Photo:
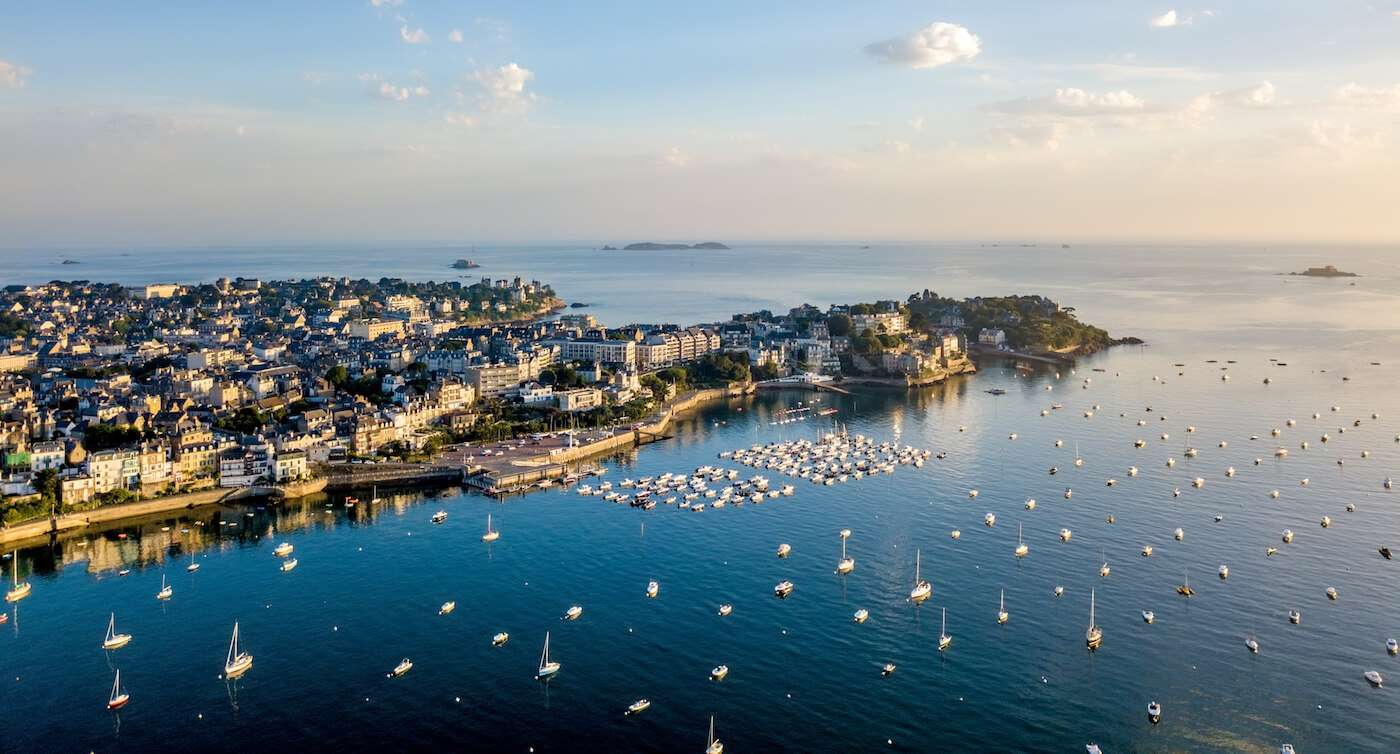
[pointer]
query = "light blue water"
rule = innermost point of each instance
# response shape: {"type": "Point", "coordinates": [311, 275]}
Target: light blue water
{"type": "Point", "coordinates": [803, 676]}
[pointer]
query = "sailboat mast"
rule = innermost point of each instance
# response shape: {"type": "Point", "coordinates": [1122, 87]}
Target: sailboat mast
{"type": "Point", "coordinates": [1091, 608]}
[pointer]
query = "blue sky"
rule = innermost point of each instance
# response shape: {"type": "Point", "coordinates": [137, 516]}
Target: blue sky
{"type": "Point", "coordinates": [177, 122]}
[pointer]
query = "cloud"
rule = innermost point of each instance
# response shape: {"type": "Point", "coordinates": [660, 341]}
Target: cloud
{"type": "Point", "coordinates": [315, 77]}
{"type": "Point", "coordinates": [1072, 102]}
{"type": "Point", "coordinates": [675, 157]}
{"type": "Point", "coordinates": [415, 37]}
{"type": "Point", "coordinates": [462, 120]}
{"type": "Point", "coordinates": [1128, 70]}
{"type": "Point", "coordinates": [1168, 20]}
{"type": "Point", "coordinates": [505, 86]}
{"type": "Point", "coordinates": [1047, 136]}
{"type": "Point", "coordinates": [393, 93]}
{"type": "Point", "coordinates": [936, 45]}
{"type": "Point", "coordinates": [892, 146]}
{"type": "Point", "coordinates": [13, 74]}
{"type": "Point", "coordinates": [917, 124]}
{"type": "Point", "coordinates": [1259, 96]}
{"type": "Point", "coordinates": [1369, 97]}
{"type": "Point", "coordinates": [386, 3]}
{"type": "Point", "coordinates": [455, 36]}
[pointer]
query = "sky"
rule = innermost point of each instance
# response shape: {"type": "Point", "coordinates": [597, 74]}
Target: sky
{"type": "Point", "coordinates": [169, 123]}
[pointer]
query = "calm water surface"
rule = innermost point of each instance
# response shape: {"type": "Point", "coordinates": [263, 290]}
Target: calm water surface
{"type": "Point", "coordinates": [803, 676]}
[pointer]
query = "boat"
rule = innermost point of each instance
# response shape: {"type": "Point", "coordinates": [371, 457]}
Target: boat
{"type": "Point", "coordinates": [861, 616]}
{"type": "Point", "coordinates": [944, 639]}
{"type": "Point", "coordinates": [193, 566]}
{"type": "Point", "coordinates": [238, 661]}
{"type": "Point", "coordinates": [725, 609]}
{"type": "Point", "coordinates": [1154, 712]}
{"type": "Point", "coordinates": [439, 517]}
{"type": "Point", "coordinates": [1179, 534]}
{"type": "Point", "coordinates": [782, 589]}
{"type": "Point", "coordinates": [491, 535]}
{"type": "Point", "coordinates": [922, 589]}
{"type": "Point", "coordinates": [402, 668]}
{"type": "Point", "coordinates": [374, 498]}
{"type": "Point", "coordinates": [1252, 645]}
{"type": "Point", "coordinates": [548, 667]}
{"type": "Point", "coordinates": [718, 672]}
{"type": "Point", "coordinates": [1185, 589]}
{"type": "Point", "coordinates": [653, 589]}
{"type": "Point", "coordinates": [1294, 617]}
{"type": "Point", "coordinates": [166, 590]}
{"type": "Point", "coordinates": [1092, 748]}
{"type": "Point", "coordinates": [573, 612]}
{"type": "Point", "coordinates": [447, 607]}
{"type": "Point", "coordinates": [1002, 615]}
{"type": "Point", "coordinates": [113, 639]}
{"type": "Point", "coordinates": [638, 706]}
{"type": "Point", "coordinates": [1270, 551]}
{"type": "Point", "coordinates": [1148, 616]}
{"type": "Point", "coordinates": [1385, 552]}
{"type": "Point", "coordinates": [784, 550]}
{"type": "Point", "coordinates": [1332, 593]}
{"type": "Point", "coordinates": [1374, 678]}
{"type": "Point", "coordinates": [1224, 572]}
{"type": "Point", "coordinates": [715, 746]}
{"type": "Point", "coordinates": [1022, 549]}
{"type": "Point", "coordinates": [19, 589]}
{"type": "Point", "coordinates": [499, 639]}
{"type": "Point", "coordinates": [1287, 536]}
{"type": "Point", "coordinates": [289, 564]}
{"type": "Point", "coordinates": [1059, 591]}
{"type": "Point", "coordinates": [845, 564]}
{"type": "Point", "coordinates": [889, 668]}
{"type": "Point", "coordinates": [1103, 569]}
{"type": "Point", "coordinates": [283, 550]}
{"type": "Point", "coordinates": [1147, 551]}
{"type": "Point", "coordinates": [1065, 535]}
{"type": "Point", "coordinates": [990, 519]}
{"type": "Point", "coordinates": [118, 698]}
{"type": "Point", "coordinates": [1093, 636]}
{"type": "Point", "coordinates": [1392, 647]}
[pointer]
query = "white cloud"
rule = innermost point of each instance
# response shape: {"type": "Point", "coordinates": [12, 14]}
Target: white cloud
{"type": "Point", "coordinates": [386, 3]}
{"type": "Point", "coordinates": [315, 77]}
{"type": "Point", "coordinates": [1073, 102]}
{"type": "Point", "coordinates": [415, 37]}
{"type": "Point", "coordinates": [393, 93]}
{"type": "Point", "coordinates": [1259, 96]}
{"type": "Point", "coordinates": [505, 86]}
{"type": "Point", "coordinates": [459, 119]}
{"type": "Point", "coordinates": [893, 146]}
{"type": "Point", "coordinates": [675, 157]}
{"type": "Point", "coordinates": [1167, 20]}
{"type": "Point", "coordinates": [1370, 97]}
{"type": "Point", "coordinates": [13, 74]}
{"type": "Point", "coordinates": [1047, 136]}
{"type": "Point", "coordinates": [455, 36]}
{"type": "Point", "coordinates": [936, 45]}
{"type": "Point", "coordinates": [918, 124]}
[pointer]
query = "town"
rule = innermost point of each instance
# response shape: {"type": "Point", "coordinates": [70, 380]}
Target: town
{"type": "Point", "coordinates": [110, 394]}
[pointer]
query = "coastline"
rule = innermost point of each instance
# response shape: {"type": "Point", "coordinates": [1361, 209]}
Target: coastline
{"type": "Point", "coordinates": [69, 522]}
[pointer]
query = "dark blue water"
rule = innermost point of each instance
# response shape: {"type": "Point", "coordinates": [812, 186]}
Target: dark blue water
{"type": "Point", "coordinates": [803, 676]}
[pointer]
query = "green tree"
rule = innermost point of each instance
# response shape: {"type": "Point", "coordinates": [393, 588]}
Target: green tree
{"type": "Point", "coordinates": [839, 325]}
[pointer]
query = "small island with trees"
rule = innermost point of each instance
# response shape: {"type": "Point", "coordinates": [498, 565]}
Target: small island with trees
{"type": "Point", "coordinates": [464, 264]}
{"type": "Point", "coordinates": [1328, 271]}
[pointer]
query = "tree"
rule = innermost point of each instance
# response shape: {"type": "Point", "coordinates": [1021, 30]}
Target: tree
{"type": "Point", "coordinates": [337, 376]}
{"type": "Point", "coordinates": [839, 325]}
{"type": "Point", "coordinates": [106, 436]}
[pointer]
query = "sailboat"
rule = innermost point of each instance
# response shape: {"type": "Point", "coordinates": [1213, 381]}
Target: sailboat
{"type": "Point", "coordinates": [548, 667]}
{"type": "Point", "coordinates": [115, 640]}
{"type": "Point", "coordinates": [166, 590]}
{"type": "Point", "coordinates": [845, 565]}
{"type": "Point", "coordinates": [374, 498]}
{"type": "Point", "coordinates": [1093, 637]}
{"type": "Point", "coordinates": [715, 746]}
{"type": "Point", "coordinates": [193, 566]}
{"type": "Point", "coordinates": [944, 640]}
{"type": "Point", "coordinates": [1022, 549]}
{"type": "Point", "coordinates": [491, 535]}
{"type": "Point", "coordinates": [1103, 569]}
{"type": "Point", "coordinates": [1078, 461]}
{"type": "Point", "coordinates": [1002, 615]}
{"type": "Point", "coordinates": [21, 589]}
{"type": "Point", "coordinates": [119, 698]}
{"type": "Point", "coordinates": [238, 661]}
{"type": "Point", "coordinates": [1185, 589]}
{"type": "Point", "coordinates": [922, 589]}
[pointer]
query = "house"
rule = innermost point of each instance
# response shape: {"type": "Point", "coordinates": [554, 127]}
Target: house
{"type": "Point", "coordinates": [992, 337]}
{"type": "Point", "coordinates": [289, 466]}
{"type": "Point", "coordinates": [581, 399]}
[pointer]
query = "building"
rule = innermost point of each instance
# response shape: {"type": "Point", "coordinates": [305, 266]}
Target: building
{"type": "Point", "coordinates": [46, 455]}
{"type": "Point", "coordinates": [373, 329]}
{"type": "Point", "coordinates": [890, 323]}
{"type": "Point", "coordinates": [494, 380]}
{"type": "Point", "coordinates": [580, 399]}
{"type": "Point", "coordinates": [114, 470]}
{"type": "Point", "coordinates": [289, 466]}
{"type": "Point", "coordinates": [154, 291]}
{"type": "Point", "coordinates": [597, 349]}
{"type": "Point", "coordinates": [992, 337]}
{"type": "Point", "coordinates": [244, 466]}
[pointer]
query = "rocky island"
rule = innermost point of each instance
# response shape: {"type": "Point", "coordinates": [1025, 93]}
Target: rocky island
{"type": "Point", "coordinates": [464, 264]}
{"type": "Point", "coordinates": [653, 246]}
{"type": "Point", "coordinates": [1329, 271]}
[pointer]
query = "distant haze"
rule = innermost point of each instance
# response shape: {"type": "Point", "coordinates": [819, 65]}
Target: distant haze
{"type": "Point", "coordinates": [379, 120]}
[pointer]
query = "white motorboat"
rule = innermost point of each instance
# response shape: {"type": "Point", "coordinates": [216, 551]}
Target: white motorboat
{"type": "Point", "coordinates": [283, 550]}
{"type": "Point", "coordinates": [573, 612]}
{"type": "Point", "coordinates": [725, 609]}
{"type": "Point", "coordinates": [439, 517]}
{"type": "Point", "coordinates": [718, 672]}
{"type": "Point", "coordinates": [1374, 678]}
{"type": "Point", "coordinates": [638, 706]}
{"type": "Point", "coordinates": [653, 589]}
{"type": "Point", "coordinates": [1148, 616]}
{"type": "Point", "coordinates": [782, 589]}
{"type": "Point", "coordinates": [784, 550]}
{"type": "Point", "coordinates": [447, 607]}
{"type": "Point", "coordinates": [861, 616]}
{"type": "Point", "coordinates": [499, 639]}
{"type": "Point", "coordinates": [402, 668]}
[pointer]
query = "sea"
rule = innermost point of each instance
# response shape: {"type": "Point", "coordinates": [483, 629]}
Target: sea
{"type": "Point", "coordinates": [803, 676]}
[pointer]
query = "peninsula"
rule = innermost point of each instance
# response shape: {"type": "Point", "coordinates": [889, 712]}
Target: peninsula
{"type": "Point", "coordinates": [1324, 272]}
{"type": "Point", "coordinates": [168, 395]}
{"type": "Point", "coordinates": [653, 246]}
